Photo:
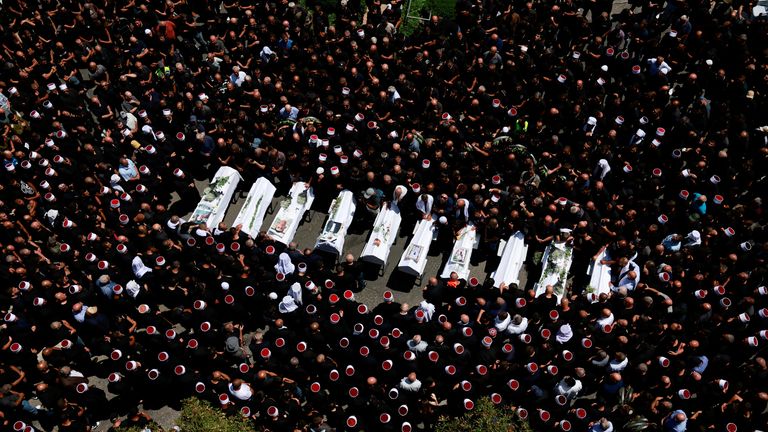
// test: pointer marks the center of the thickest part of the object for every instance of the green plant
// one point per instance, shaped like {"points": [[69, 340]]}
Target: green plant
{"points": [[445, 9], [200, 416], [485, 417]]}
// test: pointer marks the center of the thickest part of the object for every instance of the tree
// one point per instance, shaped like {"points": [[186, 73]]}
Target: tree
{"points": [[485, 417], [200, 416]]}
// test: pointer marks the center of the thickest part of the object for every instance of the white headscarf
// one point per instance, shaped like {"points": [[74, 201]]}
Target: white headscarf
{"points": [[295, 292], [693, 238], [564, 334], [425, 208], [284, 264], [139, 269], [132, 288], [465, 210], [403, 192], [602, 169], [287, 305]]}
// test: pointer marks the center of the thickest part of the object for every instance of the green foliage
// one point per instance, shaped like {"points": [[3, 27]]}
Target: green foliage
{"points": [[445, 9], [486, 417], [200, 416]]}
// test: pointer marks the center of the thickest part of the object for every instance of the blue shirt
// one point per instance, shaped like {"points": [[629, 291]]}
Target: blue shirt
{"points": [[699, 206], [129, 171], [106, 288], [703, 363], [671, 245], [293, 114], [673, 425]]}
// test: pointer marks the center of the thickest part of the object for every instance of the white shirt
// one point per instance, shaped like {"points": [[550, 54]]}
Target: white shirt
{"points": [[502, 325], [417, 347], [516, 329], [130, 121], [616, 366], [409, 385], [626, 281], [605, 321], [80, 316], [244, 393]]}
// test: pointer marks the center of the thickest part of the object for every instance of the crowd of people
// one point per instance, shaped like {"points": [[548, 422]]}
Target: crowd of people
{"points": [[639, 132]]}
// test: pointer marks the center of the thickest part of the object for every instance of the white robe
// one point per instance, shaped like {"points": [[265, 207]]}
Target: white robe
{"points": [[425, 208], [139, 269], [284, 264]]}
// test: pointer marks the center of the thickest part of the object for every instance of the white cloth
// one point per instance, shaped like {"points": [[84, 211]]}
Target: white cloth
{"points": [[605, 321], [383, 235], [602, 169], [80, 316], [291, 212], [403, 192], [692, 239], [132, 288], [243, 393], [569, 392], [238, 78], [564, 334], [139, 269], [618, 366], [409, 385], [214, 203], [516, 329], [284, 264], [75, 374], [414, 258], [288, 305], [341, 214], [295, 292], [512, 259], [502, 325], [417, 347], [461, 254], [465, 210], [428, 309], [626, 281], [251, 214], [425, 207]]}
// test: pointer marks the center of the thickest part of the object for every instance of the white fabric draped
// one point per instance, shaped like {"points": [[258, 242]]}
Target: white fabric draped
{"points": [[291, 212], [251, 215], [414, 258], [382, 236], [340, 216], [461, 253], [512, 259], [213, 206]]}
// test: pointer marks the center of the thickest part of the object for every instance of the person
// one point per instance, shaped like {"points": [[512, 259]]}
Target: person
{"points": [[240, 390], [285, 265], [370, 202], [676, 421]]}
